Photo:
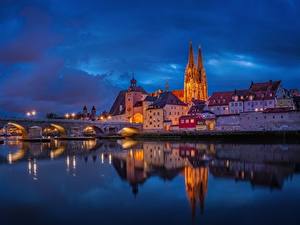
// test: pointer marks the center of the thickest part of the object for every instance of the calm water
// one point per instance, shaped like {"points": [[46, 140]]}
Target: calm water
{"points": [[130, 182]]}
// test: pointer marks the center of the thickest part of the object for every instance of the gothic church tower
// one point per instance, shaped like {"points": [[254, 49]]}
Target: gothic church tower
{"points": [[195, 84]]}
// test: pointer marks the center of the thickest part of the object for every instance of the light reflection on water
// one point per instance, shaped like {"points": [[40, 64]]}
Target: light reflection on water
{"points": [[164, 182]]}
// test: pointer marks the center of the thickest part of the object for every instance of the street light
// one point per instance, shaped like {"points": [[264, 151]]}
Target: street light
{"points": [[31, 113], [73, 115], [67, 115]]}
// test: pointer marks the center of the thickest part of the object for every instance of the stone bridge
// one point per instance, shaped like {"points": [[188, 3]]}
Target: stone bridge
{"points": [[67, 127]]}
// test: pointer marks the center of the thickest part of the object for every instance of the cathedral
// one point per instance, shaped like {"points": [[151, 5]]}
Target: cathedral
{"points": [[195, 84]]}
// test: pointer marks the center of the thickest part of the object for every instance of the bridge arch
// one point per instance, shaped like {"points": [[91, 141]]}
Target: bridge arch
{"points": [[97, 130], [128, 131], [137, 118], [62, 131], [20, 127]]}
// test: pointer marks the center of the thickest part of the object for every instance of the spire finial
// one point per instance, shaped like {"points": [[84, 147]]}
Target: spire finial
{"points": [[191, 55], [133, 81]]}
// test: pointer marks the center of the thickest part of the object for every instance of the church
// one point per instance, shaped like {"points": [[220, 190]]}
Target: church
{"points": [[195, 83], [162, 109]]}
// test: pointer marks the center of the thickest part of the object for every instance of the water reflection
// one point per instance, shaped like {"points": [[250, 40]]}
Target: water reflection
{"points": [[266, 166]]}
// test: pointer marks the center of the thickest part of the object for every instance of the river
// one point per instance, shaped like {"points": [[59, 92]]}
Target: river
{"points": [[149, 182]]}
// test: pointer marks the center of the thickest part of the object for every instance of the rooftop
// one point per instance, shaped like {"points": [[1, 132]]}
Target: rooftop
{"points": [[166, 98]]}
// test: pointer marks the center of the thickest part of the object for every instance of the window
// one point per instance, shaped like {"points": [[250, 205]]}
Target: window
{"points": [[192, 120], [187, 121], [182, 121]]}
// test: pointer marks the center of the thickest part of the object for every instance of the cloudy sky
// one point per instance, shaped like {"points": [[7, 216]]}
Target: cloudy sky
{"points": [[56, 56]]}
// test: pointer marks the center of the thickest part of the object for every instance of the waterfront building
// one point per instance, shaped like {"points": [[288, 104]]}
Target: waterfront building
{"points": [[236, 104], [284, 98], [164, 112], [218, 103], [261, 96], [196, 122], [258, 97], [128, 105]]}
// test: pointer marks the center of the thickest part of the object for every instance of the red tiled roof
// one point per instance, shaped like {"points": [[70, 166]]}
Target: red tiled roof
{"points": [[178, 93], [166, 98], [220, 98], [265, 86]]}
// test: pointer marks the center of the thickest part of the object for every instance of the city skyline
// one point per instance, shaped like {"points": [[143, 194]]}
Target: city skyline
{"points": [[50, 54]]}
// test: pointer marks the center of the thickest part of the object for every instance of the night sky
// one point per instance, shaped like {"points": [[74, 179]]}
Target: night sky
{"points": [[58, 55]]}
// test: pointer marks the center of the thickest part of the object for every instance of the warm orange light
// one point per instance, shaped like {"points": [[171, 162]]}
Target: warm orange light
{"points": [[67, 115]]}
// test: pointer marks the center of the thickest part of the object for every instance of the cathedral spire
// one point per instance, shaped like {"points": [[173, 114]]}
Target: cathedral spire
{"points": [[200, 60], [191, 55]]}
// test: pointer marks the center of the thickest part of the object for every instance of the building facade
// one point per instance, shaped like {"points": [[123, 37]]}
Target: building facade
{"points": [[164, 112]]}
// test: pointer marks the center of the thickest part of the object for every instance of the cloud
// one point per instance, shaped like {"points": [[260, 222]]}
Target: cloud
{"points": [[32, 42], [52, 87], [58, 45]]}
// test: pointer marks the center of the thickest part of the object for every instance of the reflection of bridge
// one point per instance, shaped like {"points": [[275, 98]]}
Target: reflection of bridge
{"points": [[67, 128]]}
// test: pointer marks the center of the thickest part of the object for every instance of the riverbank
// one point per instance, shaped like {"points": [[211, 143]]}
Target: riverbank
{"points": [[225, 136]]}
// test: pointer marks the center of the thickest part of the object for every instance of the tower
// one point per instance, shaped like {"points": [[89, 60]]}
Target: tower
{"points": [[84, 112], [195, 85], [202, 74], [93, 113]]}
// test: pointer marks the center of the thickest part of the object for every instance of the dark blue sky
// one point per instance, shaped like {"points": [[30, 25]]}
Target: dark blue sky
{"points": [[59, 55]]}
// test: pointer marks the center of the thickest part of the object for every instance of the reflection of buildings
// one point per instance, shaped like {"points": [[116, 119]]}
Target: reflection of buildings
{"points": [[196, 180], [167, 160], [261, 165]]}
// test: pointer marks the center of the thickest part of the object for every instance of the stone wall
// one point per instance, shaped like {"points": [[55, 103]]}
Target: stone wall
{"points": [[259, 121]]}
